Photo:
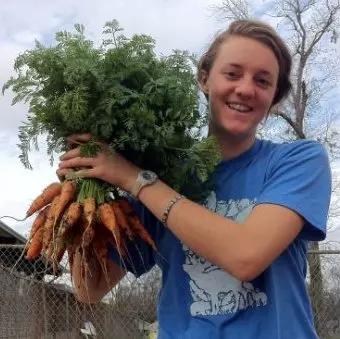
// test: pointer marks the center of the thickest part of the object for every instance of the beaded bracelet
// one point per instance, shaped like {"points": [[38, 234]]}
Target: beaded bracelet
{"points": [[168, 209]]}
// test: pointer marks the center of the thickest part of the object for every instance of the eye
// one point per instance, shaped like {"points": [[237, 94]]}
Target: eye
{"points": [[231, 75], [263, 82]]}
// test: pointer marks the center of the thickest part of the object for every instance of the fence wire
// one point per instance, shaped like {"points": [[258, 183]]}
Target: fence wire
{"points": [[324, 289], [36, 305]]}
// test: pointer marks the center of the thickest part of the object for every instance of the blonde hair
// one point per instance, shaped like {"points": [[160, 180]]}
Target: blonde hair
{"points": [[262, 33]]}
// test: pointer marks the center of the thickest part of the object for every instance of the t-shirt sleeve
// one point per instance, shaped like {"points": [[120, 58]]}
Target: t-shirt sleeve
{"points": [[299, 178], [139, 257]]}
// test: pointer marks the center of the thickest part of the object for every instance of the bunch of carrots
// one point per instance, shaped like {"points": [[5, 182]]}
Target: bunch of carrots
{"points": [[70, 215]]}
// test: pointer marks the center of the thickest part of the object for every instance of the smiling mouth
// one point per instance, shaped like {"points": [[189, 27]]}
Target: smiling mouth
{"points": [[239, 107]]}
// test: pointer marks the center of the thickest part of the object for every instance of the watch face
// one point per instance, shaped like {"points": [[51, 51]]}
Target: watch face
{"points": [[148, 175], [144, 178]]}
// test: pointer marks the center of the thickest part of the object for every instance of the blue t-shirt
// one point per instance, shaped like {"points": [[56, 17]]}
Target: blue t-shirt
{"points": [[197, 298]]}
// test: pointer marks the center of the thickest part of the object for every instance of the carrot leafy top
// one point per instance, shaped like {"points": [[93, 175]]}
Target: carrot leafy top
{"points": [[143, 105]]}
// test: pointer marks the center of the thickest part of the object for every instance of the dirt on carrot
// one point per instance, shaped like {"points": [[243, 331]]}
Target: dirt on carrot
{"points": [[35, 246], [67, 195], [70, 218], [93, 218], [39, 222], [49, 224], [108, 219], [89, 208], [45, 198], [139, 229], [134, 222], [122, 220]]}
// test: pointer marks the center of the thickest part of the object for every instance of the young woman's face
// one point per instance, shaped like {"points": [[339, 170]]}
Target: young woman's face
{"points": [[241, 86]]}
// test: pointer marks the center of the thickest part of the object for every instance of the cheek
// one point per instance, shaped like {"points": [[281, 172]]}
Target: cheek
{"points": [[266, 100], [218, 85], [218, 95]]}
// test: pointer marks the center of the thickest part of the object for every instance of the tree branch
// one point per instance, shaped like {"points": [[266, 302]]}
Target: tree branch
{"points": [[291, 123], [232, 9], [327, 23]]}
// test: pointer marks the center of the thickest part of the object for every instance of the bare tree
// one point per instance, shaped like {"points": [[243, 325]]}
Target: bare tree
{"points": [[311, 28], [233, 9]]}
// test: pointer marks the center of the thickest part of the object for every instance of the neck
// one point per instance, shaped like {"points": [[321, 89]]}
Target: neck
{"points": [[232, 146]]}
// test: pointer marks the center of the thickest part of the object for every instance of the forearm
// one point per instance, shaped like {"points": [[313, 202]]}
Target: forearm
{"points": [[221, 241], [95, 284], [85, 286]]}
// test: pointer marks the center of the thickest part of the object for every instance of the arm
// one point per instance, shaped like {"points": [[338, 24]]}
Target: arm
{"points": [[301, 173], [243, 250], [294, 202], [97, 285]]}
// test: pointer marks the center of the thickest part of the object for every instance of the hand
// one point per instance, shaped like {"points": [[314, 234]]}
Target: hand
{"points": [[106, 166], [72, 142]]}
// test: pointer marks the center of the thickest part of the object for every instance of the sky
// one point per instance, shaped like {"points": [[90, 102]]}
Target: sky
{"points": [[175, 24]]}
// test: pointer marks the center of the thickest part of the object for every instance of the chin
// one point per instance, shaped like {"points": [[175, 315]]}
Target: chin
{"points": [[236, 130]]}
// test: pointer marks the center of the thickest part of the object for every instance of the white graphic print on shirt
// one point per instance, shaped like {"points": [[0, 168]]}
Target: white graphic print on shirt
{"points": [[214, 291]]}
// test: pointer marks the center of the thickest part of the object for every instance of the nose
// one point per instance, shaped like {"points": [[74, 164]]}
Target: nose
{"points": [[245, 88]]}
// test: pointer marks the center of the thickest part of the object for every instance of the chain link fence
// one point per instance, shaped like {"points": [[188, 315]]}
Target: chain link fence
{"points": [[36, 305], [324, 288]]}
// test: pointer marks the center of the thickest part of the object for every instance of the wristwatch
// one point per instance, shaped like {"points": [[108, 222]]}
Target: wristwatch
{"points": [[144, 178]]}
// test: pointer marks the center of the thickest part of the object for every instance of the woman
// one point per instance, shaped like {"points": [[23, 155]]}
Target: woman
{"points": [[235, 266]]}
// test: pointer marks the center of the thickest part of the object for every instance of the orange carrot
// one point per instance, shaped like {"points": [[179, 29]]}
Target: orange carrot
{"points": [[108, 219], [45, 198], [138, 228], [67, 193], [35, 246], [135, 222], [125, 206], [70, 218], [49, 223], [89, 207], [121, 220], [39, 221]]}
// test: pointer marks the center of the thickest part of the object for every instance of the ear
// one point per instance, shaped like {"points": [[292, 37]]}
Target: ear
{"points": [[203, 82]]}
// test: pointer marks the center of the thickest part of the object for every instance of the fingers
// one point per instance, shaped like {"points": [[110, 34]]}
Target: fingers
{"points": [[73, 153], [72, 175], [75, 140], [77, 162], [83, 173]]}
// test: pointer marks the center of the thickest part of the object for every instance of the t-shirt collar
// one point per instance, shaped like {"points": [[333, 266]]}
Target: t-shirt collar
{"points": [[245, 156]]}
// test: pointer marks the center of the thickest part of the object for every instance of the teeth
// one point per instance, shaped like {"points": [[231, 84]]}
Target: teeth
{"points": [[239, 107]]}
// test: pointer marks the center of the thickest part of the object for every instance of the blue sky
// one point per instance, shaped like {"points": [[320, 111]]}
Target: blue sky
{"points": [[175, 24]]}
